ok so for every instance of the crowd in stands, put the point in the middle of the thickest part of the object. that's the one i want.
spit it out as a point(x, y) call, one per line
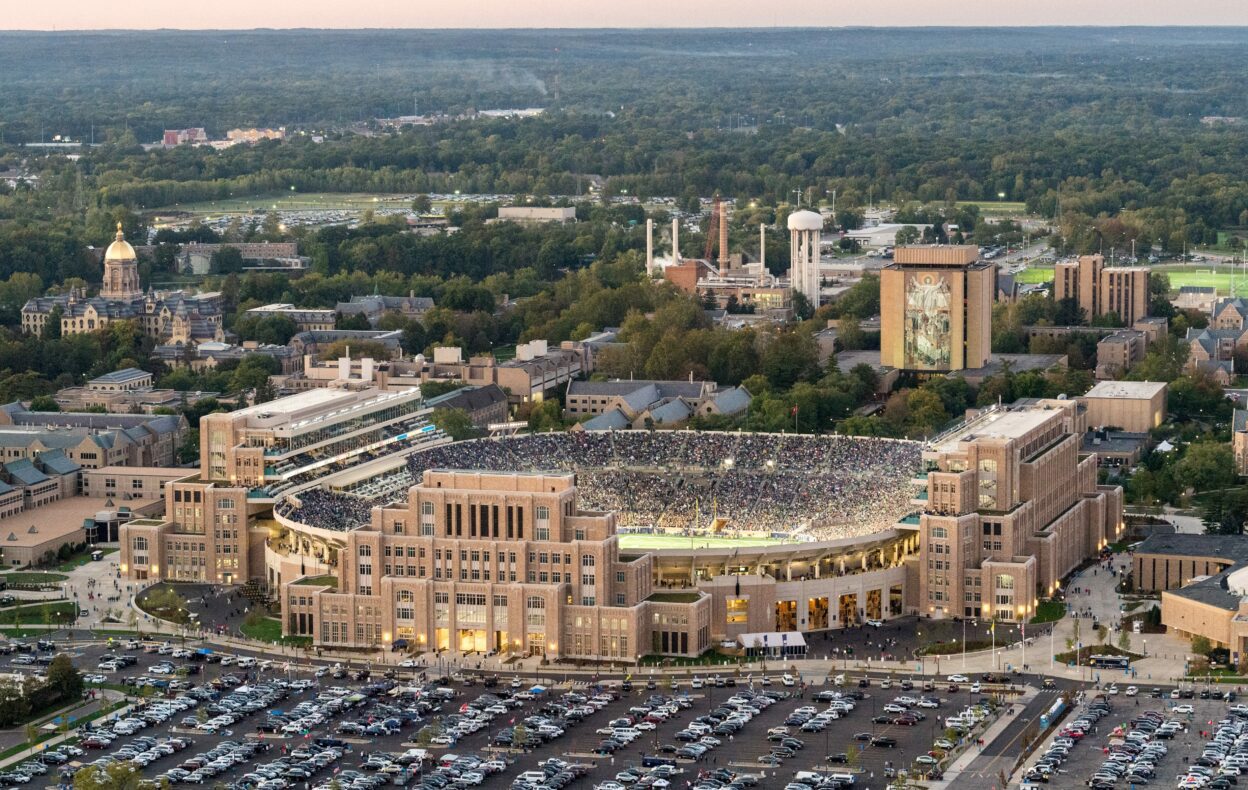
point(825, 486)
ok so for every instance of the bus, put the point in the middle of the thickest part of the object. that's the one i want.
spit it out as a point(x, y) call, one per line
point(1111, 662)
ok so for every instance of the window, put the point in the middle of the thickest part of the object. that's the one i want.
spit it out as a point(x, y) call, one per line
point(543, 513)
point(1005, 582)
point(939, 532)
point(619, 577)
point(366, 569)
point(580, 534)
point(366, 551)
point(140, 544)
point(542, 533)
point(587, 561)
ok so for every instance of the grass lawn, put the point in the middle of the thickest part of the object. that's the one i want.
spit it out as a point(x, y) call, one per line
point(1034, 275)
point(1049, 611)
point(81, 558)
point(953, 648)
point(33, 577)
point(681, 542)
point(270, 630)
point(56, 612)
point(328, 580)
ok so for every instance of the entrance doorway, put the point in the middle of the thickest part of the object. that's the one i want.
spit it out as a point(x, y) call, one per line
point(847, 610)
point(472, 640)
point(786, 615)
point(817, 613)
point(874, 605)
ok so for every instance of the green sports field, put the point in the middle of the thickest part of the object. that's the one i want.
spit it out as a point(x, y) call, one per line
point(678, 542)
point(1219, 277)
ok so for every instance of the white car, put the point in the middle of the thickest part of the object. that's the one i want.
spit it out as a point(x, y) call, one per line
point(875, 623)
point(959, 679)
point(1184, 709)
point(409, 663)
point(1131, 691)
point(975, 687)
point(788, 680)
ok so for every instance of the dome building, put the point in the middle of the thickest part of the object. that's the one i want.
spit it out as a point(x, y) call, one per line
point(167, 316)
point(121, 270)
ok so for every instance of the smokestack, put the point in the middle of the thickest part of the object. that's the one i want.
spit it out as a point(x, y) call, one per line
point(675, 241)
point(649, 248)
point(762, 245)
point(723, 235)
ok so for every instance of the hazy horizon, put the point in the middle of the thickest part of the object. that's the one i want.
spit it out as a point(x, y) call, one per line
point(88, 15)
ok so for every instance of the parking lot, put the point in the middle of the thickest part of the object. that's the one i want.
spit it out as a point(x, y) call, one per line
point(251, 723)
point(1152, 734)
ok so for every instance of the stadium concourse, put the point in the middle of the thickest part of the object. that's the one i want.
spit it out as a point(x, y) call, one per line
point(819, 487)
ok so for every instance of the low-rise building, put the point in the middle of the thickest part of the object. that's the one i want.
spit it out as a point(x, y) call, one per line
point(1117, 353)
point(1196, 297)
point(536, 370)
point(614, 405)
point(128, 483)
point(1239, 440)
point(306, 318)
point(1132, 406)
point(92, 440)
point(537, 214)
point(373, 307)
point(485, 406)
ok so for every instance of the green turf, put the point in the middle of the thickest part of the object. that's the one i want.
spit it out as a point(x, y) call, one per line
point(1048, 611)
point(82, 558)
point(996, 206)
point(1219, 277)
point(270, 630)
point(679, 542)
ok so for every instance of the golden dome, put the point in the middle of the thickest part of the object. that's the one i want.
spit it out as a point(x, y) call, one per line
point(120, 250)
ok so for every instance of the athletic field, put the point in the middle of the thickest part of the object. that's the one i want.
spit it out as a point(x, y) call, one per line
point(678, 542)
point(1219, 277)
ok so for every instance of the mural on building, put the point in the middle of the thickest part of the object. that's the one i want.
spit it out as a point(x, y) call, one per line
point(928, 336)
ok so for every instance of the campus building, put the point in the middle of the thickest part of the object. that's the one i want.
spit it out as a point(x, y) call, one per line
point(506, 562)
point(167, 316)
point(936, 309)
point(1011, 507)
point(1203, 581)
point(1099, 289)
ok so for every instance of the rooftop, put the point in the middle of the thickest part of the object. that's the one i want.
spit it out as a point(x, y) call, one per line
point(121, 376)
point(1126, 389)
point(998, 425)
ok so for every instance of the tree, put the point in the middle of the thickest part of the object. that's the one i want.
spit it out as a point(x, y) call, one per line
point(907, 234)
point(115, 776)
point(1206, 466)
point(52, 326)
point(32, 735)
point(454, 423)
point(546, 416)
point(421, 204)
point(64, 678)
point(414, 338)
point(44, 403)
point(1201, 645)
point(791, 357)
point(1124, 639)
point(227, 260)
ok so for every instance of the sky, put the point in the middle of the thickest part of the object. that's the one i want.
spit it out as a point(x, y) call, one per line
point(246, 14)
